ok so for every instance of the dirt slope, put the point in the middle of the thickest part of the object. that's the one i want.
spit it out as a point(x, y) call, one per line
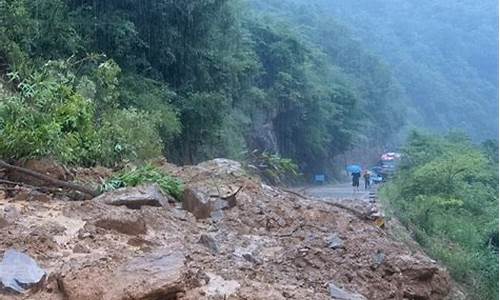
point(271, 245)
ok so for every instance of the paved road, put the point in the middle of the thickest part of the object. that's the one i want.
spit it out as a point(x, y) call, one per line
point(338, 191)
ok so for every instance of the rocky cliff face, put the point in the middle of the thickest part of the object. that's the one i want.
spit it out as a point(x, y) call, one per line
point(250, 241)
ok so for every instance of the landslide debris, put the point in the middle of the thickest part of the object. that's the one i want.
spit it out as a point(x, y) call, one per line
point(245, 240)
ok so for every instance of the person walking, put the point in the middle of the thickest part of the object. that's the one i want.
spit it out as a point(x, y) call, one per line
point(366, 176)
point(355, 181)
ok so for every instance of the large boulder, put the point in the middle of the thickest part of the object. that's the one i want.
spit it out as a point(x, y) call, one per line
point(222, 167)
point(160, 274)
point(19, 272)
point(136, 197)
point(422, 277)
point(157, 275)
point(202, 205)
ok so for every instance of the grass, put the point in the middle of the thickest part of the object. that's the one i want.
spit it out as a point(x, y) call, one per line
point(146, 174)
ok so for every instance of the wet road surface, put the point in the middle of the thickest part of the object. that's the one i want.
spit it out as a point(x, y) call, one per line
point(338, 191)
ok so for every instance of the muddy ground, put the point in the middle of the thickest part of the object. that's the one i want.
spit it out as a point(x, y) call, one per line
point(268, 244)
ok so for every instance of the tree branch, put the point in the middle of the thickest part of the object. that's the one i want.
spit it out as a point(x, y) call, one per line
point(53, 181)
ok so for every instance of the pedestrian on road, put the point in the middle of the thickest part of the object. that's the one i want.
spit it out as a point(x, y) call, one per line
point(355, 181)
point(366, 176)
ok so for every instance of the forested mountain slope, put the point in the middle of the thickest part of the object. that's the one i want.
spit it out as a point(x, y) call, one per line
point(444, 54)
point(190, 79)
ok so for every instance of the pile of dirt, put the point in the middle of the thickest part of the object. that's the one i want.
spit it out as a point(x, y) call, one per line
point(253, 241)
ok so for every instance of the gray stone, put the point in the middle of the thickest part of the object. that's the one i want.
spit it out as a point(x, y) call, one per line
point(126, 224)
point(19, 272)
point(251, 258)
point(377, 259)
point(159, 273)
point(199, 202)
point(136, 197)
point(337, 293)
point(335, 242)
point(209, 241)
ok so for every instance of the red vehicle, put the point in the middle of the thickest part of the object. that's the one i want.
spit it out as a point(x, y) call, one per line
point(388, 162)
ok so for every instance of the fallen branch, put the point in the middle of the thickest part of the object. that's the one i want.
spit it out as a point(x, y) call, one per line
point(52, 181)
point(233, 195)
point(29, 186)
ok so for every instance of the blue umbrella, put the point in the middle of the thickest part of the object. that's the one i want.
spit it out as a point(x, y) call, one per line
point(353, 168)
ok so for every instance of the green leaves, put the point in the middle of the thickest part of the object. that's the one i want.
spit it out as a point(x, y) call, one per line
point(448, 191)
point(146, 174)
point(50, 117)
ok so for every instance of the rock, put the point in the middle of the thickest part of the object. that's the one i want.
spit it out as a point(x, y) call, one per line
point(199, 202)
point(218, 287)
point(136, 197)
point(19, 272)
point(31, 195)
point(429, 280)
point(123, 224)
point(209, 241)
point(11, 213)
point(251, 258)
point(3, 222)
point(337, 293)
point(377, 259)
point(79, 248)
point(222, 167)
point(160, 274)
point(335, 242)
point(40, 197)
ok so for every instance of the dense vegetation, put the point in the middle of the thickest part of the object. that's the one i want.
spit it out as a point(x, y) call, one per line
point(446, 193)
point(103, 82)
point(444, 54)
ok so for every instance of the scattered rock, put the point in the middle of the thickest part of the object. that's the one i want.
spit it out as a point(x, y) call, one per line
point(123, 224)
point(19, 272)
point(79, 248)
point(208, 240)
point(218, 287)
point(337, 293)
point(136, 197)
point(377, 259)
point(139, 242)
point(202, 205)
point(223, 167)
point(196, 202)
point(279, 240)
point(158, 275)
point(3, 222)
point(251, 258)
point(37, 196)
point(335, 242)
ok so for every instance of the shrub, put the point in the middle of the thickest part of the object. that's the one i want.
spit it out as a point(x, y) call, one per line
point(447, 193)
point(76, 120)
point(129, 135)
point(272, 167)
point(146, 174)
point(47, 117)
